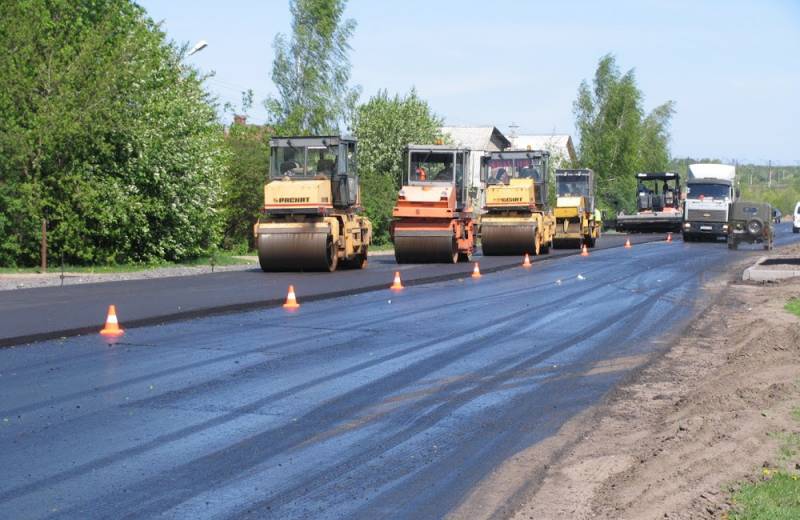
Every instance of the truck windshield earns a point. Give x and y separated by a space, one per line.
708 191
304 161
501 171
573 185
431 167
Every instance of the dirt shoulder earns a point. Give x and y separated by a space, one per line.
698 420
677 437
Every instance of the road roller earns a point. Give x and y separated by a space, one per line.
312 215
578 221
516 219
433 219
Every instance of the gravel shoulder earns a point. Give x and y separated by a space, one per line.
682 433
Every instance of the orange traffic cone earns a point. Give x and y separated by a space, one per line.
669 237
112 327
527 261
397 285
628 243
585 251
291 300
476 271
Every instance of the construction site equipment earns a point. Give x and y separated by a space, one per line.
517 219
710 190
526 262
311 220
578 221
397 284
433 217
291 299
112 328
659 205
476 271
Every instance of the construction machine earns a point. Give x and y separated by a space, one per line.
433 218
311 219
516 219
578 221
659 205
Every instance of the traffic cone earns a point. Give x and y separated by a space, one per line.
669 237
628 243
397 285
291 300
476 271
527 261
585 251
112 327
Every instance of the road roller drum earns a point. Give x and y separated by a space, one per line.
509 239
293 250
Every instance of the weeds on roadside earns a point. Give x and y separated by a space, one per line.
793 306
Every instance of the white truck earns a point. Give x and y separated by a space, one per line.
710 190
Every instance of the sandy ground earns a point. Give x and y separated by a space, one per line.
675 439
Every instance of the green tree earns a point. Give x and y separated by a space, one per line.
104 132
312 71
616 138
384 125
243 184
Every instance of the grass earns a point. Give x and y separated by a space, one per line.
793 306
776 498
777 495
219 259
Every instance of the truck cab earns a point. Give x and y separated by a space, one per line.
710 191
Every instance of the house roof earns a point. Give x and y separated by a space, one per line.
486 138
556 144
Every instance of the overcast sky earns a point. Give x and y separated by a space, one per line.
732 67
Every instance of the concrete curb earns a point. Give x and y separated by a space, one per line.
756 273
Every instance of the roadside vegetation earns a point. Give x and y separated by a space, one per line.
793 306
109 136
776 496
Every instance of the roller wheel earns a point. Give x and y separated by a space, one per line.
465 257
359 261
545 249
537 245
333 258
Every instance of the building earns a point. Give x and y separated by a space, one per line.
479 140
562 151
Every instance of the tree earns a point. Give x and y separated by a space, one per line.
384 126
312 70
104 132
616 139
243 183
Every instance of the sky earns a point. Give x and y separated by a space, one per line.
731 66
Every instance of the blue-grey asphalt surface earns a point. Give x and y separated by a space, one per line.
375 405
52 312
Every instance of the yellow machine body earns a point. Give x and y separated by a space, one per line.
513 223
301 229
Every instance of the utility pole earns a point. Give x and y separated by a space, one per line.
769 183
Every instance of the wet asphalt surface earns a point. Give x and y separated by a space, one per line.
52 312
375 405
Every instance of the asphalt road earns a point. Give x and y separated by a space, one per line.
51 312
375 405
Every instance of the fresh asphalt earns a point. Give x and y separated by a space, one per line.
44 313
373 405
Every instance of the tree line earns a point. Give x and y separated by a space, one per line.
108 135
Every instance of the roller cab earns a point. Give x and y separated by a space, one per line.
578 222
516 217
311 219
432 218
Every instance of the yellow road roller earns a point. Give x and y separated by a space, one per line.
516 219
578 221
311 219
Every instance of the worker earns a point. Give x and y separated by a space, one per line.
501 176
421 174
